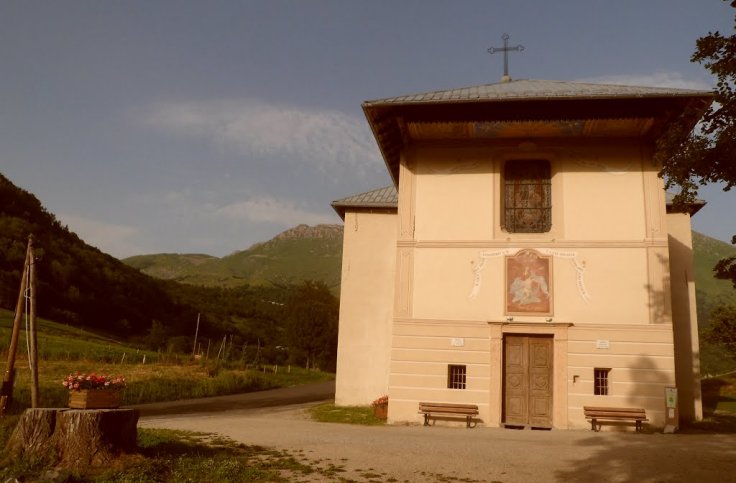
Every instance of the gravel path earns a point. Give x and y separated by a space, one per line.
417 453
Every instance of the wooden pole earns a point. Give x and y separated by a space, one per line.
6 392
222 348
33 356
196 332
258 352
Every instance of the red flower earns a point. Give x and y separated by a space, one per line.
79 381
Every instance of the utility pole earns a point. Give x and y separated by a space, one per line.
196 332
33 338
6 392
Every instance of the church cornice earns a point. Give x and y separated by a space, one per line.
533 243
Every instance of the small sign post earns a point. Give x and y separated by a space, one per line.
671 411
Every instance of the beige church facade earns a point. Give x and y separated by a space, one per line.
525 260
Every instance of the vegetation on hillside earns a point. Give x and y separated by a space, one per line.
300 254
83 287
151 375
712 294
695 157
77 283
312 315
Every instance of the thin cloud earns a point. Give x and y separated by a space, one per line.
271 210
657 79
117 240
324 138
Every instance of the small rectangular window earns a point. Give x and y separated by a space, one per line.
456 377
600 382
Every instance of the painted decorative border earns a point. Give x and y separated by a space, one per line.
564 254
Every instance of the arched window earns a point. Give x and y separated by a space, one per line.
527 202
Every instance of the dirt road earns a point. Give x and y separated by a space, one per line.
320 391
417 453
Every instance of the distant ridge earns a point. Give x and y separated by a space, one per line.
327 232
300 253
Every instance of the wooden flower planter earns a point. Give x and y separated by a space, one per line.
94 399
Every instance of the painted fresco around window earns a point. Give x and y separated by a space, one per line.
529 284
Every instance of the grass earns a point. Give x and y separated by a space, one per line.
163 455
151 376
155 382
64 342
329 413
168 455
719 406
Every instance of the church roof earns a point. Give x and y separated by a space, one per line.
388 198
525 109
692 207
381 198
528 89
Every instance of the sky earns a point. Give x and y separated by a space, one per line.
174 126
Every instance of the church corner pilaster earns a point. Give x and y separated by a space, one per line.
404 282
406 208
654 201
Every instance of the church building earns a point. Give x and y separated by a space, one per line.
526 258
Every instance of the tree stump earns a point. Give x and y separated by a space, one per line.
94 437
74 439
30 439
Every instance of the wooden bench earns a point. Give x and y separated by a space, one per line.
597 414
429 409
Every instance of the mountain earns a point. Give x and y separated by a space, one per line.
81 286
293 256
77 284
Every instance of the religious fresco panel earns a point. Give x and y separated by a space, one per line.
528 284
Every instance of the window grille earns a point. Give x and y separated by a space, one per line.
456 376
600 382
527 203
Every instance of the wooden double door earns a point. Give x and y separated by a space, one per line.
528 381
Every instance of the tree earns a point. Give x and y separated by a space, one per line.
157 336
696 157
722 329
311 314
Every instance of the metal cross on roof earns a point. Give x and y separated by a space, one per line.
505 49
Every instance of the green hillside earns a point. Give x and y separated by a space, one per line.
79 284
199 269
82 287
711 292
298 254
706 253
